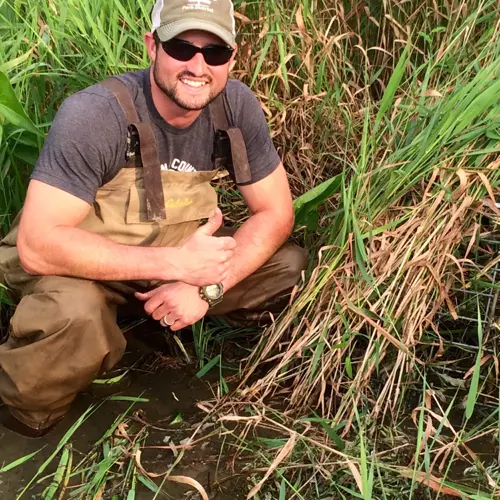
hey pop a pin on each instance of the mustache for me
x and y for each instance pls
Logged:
(188, 74)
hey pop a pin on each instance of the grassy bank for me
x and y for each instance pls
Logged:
(382, 390)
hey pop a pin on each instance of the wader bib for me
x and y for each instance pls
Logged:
(64, 332)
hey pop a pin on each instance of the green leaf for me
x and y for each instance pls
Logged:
(14, 63)
(18, 462)
(11, 109)
(283, 57)
(149, 484)
(425, 36)
(392, 87)
(129, 398)
(483, 101)
(265, 50)
(332, 434)
(27, 154)
(474, 385)
(178, 419)
(209, 366)
(110, 381)
(283, 489)
(490, 134)
(54, 486)
(360, 251)
(312, 221)
(309, 201)
(60, 446)
(348, 367)
(318, 353)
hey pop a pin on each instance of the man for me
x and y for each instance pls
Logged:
(113, 208)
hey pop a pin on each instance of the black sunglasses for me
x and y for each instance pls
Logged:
(214, 55)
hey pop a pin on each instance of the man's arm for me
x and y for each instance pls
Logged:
(257, 240)
(265, 231)
(49, 243)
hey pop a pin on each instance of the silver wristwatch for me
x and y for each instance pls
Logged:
(213, 294)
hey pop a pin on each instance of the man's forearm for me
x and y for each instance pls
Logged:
(74, 252)
(257, 240)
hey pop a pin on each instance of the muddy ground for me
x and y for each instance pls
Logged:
(172, 388)
(159, 374)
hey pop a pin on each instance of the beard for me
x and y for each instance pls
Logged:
(172, 92)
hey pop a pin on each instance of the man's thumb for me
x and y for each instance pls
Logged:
(213, 223)
(142, 296)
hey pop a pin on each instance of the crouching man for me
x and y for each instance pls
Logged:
(113, 209)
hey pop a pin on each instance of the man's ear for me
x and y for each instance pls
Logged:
(232, 61)
(150, 46)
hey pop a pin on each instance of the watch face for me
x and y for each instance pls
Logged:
(213, 292)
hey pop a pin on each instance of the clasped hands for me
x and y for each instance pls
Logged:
(202, 260)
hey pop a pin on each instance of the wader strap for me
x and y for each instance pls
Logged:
(219, 115)
(155, 200)
(123, 97)
(153, 186)
(239, 155)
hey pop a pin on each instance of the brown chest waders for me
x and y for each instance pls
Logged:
(64, 332)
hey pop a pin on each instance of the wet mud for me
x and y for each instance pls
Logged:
(171, 390)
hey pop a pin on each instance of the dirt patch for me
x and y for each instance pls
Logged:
(172, 392)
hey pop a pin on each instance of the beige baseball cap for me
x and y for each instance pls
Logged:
(171, 17)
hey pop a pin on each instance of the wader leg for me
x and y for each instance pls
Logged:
(265, 291)
(63, 335)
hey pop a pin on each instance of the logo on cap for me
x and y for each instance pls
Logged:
(199, 5)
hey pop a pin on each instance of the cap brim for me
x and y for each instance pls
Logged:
(171, 30)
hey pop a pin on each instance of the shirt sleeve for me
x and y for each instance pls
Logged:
(263, 158)
(84, 145)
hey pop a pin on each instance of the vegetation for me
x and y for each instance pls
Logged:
(386, 115)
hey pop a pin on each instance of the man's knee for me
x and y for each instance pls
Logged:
(291, 260)
(48, 311)
(61, 338)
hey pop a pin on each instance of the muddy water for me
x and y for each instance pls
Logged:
(170, 390)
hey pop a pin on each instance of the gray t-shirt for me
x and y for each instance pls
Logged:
(86, 145)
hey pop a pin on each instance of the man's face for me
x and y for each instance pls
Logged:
(192, 84)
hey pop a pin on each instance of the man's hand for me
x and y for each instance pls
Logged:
(175, 304)
(203, 258)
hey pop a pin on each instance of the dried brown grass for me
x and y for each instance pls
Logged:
(316, 66)
(352, 333)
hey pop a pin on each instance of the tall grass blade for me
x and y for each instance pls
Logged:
(206, 368)
(392, 87)
(474, 385)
